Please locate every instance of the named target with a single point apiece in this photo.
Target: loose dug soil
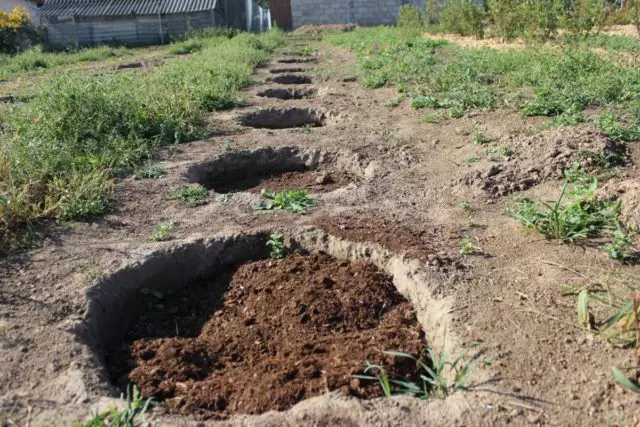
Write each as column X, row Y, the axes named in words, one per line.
column 288, row 70
column 433, row 245
column 314, row 181
column 285, row 330
column 538, row 158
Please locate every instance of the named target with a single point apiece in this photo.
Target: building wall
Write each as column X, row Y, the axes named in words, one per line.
column 362, row 12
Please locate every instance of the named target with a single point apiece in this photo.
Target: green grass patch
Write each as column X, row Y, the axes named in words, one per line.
column 59, row 151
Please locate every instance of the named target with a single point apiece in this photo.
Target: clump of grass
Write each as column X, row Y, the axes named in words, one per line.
column 479, row 138
column 471, row 158
column 577, row 214
column 276, row 246
column 163, row 231
column 149, row 171
column 186, row 47
column 434, row 375
column 59, row 151
column 295, row 201
column 135, row 412
column 192, row 195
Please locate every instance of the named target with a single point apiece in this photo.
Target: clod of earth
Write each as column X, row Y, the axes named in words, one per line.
column 287, row 93
column 291, row 79
column 284, row 118
column 275, row 169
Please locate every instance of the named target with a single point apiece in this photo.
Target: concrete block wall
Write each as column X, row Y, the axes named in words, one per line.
column 361, row 12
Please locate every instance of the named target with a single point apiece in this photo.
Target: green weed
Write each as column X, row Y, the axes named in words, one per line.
column 162, row 233
column 295, row 201
column 468, row 248
column 149, row 171
column 479, row 138
column 134, row 414
column 471, row 158
column 276, row 245
column 192, row 195
column 435, row 381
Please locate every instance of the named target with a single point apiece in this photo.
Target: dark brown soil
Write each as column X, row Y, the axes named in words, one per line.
column 314, row 181
column 392, row 234
column 286, row 330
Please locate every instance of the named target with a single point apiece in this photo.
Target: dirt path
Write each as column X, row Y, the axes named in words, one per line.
column 407, row 179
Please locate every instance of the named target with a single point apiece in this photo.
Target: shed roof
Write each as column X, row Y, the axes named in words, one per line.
column 122, row 7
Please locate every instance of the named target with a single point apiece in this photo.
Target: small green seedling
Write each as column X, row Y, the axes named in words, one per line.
column 431, row 118
column 192, row 195
column 471, row 158
column 468, row 248
column 302, row 129
column 295, row 201
column 132, row 415
column 455, row 113
column 435, row 377
column 224, row 198
column 276, row 244
column 479, row 138
column 163, row 231
column 149, row 171
column 466, row 206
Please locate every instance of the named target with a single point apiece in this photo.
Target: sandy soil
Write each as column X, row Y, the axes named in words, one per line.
column 533, row 363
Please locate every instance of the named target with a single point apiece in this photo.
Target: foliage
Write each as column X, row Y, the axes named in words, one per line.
column 296, row 201
column 624, row 381
column 434, row 375
column 508, row 17
column 163, row 231
column 576, row 215
column 59, row 151
column 582, row 17
column 16, row 28
column 134, row 414
column 186, row 47
column 462, row 17
column 468, row 248
column 149, row 171
column 192, row 195
column 276, row 245
column 409, row 21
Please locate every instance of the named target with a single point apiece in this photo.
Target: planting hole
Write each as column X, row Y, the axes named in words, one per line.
column 216, row 329
column 275, row 169
column 288, row 70
column 291, row 79
column 283, row 118
column 287, row 93
column 296, row 60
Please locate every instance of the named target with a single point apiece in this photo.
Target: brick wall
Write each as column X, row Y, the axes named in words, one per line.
column 362, row 12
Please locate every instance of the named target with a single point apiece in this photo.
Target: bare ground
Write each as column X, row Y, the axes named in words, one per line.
column 534, row 365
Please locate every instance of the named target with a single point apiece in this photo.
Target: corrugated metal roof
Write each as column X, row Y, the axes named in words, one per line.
column 122, row 7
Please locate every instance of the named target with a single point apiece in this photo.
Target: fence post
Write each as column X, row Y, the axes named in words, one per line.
column 160, row 21
column 75, row 30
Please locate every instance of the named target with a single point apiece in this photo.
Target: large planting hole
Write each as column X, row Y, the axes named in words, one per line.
column 288, row 70
column 275, row 169
column 287, row 93
column 214, row 329
column 291, row 79
column 296, row 60
column 283, row 118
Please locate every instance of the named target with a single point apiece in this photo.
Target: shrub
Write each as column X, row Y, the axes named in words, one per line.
column 508, row 16
column 409, row 21
column 16, row 30
column 432, row 12
column 582, row 17
column 462, row 17
column 543, row 17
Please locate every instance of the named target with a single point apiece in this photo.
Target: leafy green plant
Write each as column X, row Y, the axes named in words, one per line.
column 276, row 245
column 621, row 247
column 577, row 214
column 163, row 231
column 192, row 195
column 224, row 198
column 468, row 248
column 462, row 17
column 149, row 171
column 435, row 381
column 134, row 414
column 296, row 201
column 479, row 138
column 409, row 21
